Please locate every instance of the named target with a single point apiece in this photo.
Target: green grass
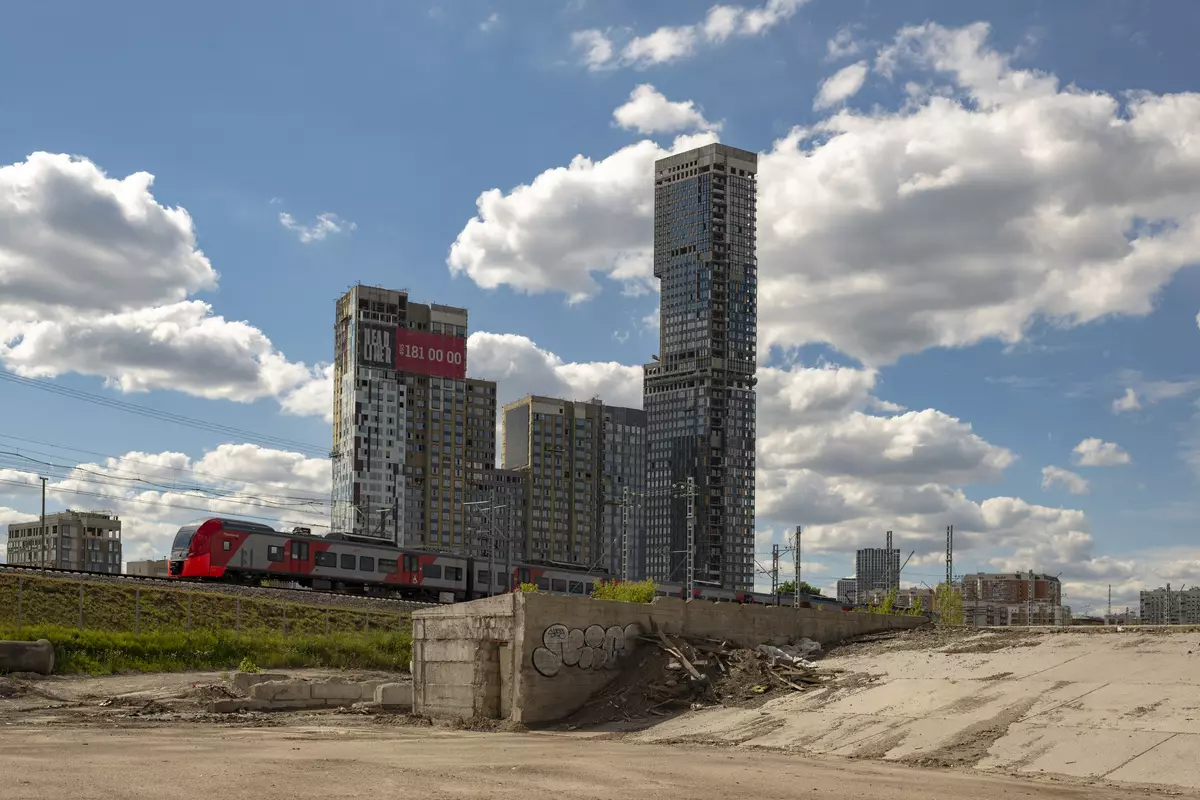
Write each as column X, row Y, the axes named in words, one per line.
column 120, row 607
column 97, row 652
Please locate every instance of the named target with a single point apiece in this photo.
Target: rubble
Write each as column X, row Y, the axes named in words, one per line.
column 670, row 674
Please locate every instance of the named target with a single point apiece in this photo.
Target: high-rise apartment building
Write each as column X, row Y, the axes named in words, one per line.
column 699, row 391
column 82, row 540
column 623, row 483
column 557, row 445
column 876, row 569
column 1169, row 606
column 412, row 433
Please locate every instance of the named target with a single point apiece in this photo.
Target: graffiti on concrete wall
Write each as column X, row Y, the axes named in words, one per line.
column 594, row 647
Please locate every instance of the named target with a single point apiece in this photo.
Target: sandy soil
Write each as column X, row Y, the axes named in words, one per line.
column 366, row 760
column 137, row 700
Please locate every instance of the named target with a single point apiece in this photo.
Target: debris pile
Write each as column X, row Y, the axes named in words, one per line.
column 668, row 674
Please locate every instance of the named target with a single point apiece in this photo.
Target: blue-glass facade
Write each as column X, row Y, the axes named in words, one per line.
column 699, row 394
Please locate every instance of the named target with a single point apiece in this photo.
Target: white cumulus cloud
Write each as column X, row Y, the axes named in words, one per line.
column 1056, row 477
column 1099, row 453
column 95, row 279
column 319, row 229
column 963, row 216
column 649, row 111
column 841, row 85
column 1126, row 402
column 671, row 43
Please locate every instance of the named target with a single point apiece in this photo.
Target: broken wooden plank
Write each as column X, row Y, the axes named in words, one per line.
column 682, row 659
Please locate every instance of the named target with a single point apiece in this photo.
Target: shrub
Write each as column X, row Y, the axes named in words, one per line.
column 105, row 652
column 626, row 591
column 248, row 666
column 529, row 588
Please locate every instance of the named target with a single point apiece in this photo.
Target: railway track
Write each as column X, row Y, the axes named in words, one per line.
column 279, row 593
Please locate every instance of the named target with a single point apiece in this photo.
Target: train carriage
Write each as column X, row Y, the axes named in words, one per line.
column 248, row 552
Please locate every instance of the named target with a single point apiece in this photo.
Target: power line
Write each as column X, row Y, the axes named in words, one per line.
column 162, row 503
column 126, row 459
column 113, row 480
column 163, row 416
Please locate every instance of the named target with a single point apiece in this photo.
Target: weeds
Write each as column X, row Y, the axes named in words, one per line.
column 106, row 652
column 626, row 591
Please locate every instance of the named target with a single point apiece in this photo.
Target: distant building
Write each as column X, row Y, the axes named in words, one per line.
column 623, row 481
column 88, row 541
column 698, row 391
column 907, row 598
column 555, row 443
column 1169, row 606
column 847, row 590
column 412, row 434
column 876, row 568
column 155, row 568
column 496, row 516
column 1013, row 598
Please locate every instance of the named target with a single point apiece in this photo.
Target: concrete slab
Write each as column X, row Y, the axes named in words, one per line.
column 1080, row 752
column 1148, row 707
column 1171, row 763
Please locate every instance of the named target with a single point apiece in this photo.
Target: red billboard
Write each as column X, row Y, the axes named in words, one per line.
column 431, row 354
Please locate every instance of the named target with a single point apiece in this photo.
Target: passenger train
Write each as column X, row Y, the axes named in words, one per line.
column 236, row 551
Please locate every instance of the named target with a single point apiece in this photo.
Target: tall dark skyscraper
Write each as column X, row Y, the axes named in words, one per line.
column 699, row 392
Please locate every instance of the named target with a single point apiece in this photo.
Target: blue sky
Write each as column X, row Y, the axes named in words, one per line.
column 397, row 117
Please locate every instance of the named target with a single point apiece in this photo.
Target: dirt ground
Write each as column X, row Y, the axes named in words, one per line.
column 139, row 700
column 360, row 760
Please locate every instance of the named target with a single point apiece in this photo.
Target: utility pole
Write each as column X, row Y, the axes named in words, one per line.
column 1110, row 619
column 888, row 562
column 625, row 532
column 949, row 556
column 691, row 537
column 775, row 573
column 45, row 543
column 796, row 594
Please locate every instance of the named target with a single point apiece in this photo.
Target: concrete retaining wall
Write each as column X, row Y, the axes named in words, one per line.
column 456, row 658
column 561, row 650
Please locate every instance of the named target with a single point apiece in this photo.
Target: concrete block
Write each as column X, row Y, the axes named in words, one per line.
column 281, row 690
column 457, row 650
column 336, row 690
column 238, row 704
column 242, row 681
column 395, row 695
column 35, row 657
column 451, row 672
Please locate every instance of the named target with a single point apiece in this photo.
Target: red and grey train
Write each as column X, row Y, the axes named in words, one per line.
column 237, row 551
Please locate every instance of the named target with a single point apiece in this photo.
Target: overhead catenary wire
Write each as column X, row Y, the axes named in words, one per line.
column 164, row 416
column 136, row 478
column 255, row 501
column 165, row 504
column 126, row 459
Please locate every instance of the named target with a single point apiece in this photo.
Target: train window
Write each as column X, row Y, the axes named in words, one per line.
column 433, row 571
column 300, row 551
column 523, row 575
column 347, row 561
column 588, row 589
column 387, row 565
column 325, row 559
column 483, row 577
column 366, row 564
column 543, row 584
column 502, row 579
column 576, row 587
column 558, row 585
column 454, row 573
column 410, row 563
column 226, row 545
column 274, row 552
